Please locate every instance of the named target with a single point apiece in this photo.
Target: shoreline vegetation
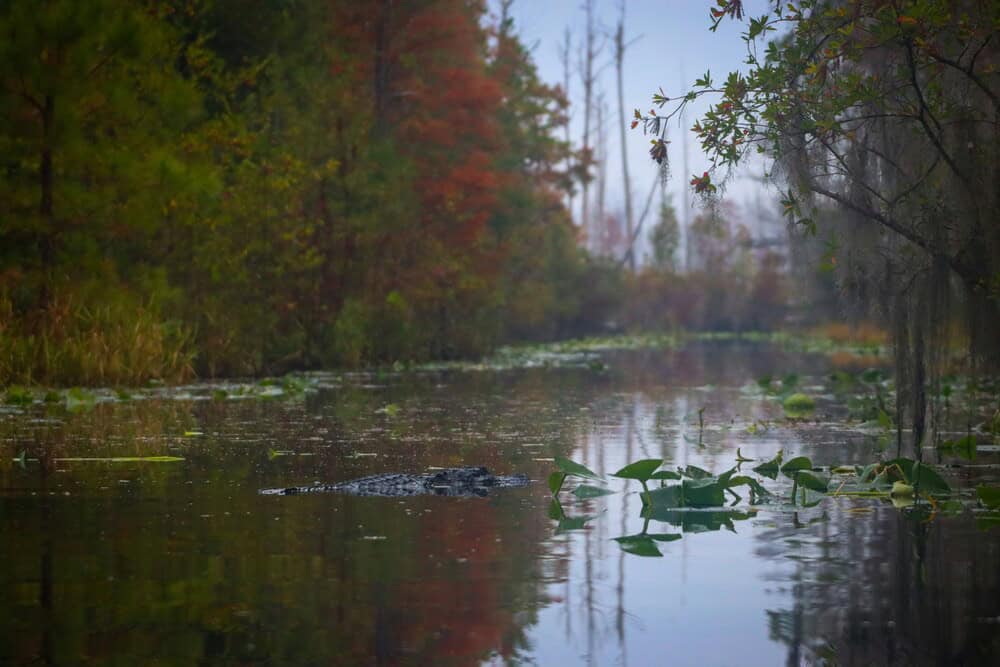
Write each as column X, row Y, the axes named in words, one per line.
column 226, row 189
column 855, row 348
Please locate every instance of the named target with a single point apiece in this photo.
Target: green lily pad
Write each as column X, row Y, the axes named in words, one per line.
column 904, row 464
column 668, row 496
column 756, row 487
column 812, row 481
column 770, row 468
column 640, row 470
column 703, row 492
column 798, row 463
column 928, row 481
column 575, row 469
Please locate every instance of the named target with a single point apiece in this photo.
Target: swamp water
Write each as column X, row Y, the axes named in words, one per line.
column 133, row 562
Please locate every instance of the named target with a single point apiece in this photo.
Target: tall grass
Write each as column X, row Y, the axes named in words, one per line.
column 118, row 342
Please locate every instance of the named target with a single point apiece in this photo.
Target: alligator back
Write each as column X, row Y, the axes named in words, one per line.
column 465, row 481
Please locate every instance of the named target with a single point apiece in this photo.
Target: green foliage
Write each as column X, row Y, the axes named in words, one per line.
column 865, row 98
column 231, row 177
column 697, row 502
column 989, row 496
column 640, row 470
column 799, row 405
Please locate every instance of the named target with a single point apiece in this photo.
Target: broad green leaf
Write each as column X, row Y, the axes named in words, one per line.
column 770, row 468
column 639, row 545
column 588, row 491
column 703, row 493
column 812, row 481
column 665, row 474
column 723, row 478
column 809, row 497
column 575, row 469
column 555, row 481
column 928, row 481
column 989, row 496
column 640, row 470
column 904, row 464
column 798, row 463
column 668, row 496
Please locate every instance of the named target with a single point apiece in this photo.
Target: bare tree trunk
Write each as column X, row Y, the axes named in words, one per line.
column 601, row 158
column 686, row 203
column 591, row 49
column 564, row 56
column 619, row 66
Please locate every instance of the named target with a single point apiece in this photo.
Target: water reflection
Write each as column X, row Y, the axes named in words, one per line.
column 184, row 563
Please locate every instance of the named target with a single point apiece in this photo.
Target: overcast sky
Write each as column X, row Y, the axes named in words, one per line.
column 671, row 47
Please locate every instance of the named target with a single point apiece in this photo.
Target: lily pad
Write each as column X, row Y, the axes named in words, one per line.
column 797, row 463
column 770, row 468
column 704, row 492
column 928, row 481
column 640, row 470
column 668, row 496
column 812, row 481
column 575, row 469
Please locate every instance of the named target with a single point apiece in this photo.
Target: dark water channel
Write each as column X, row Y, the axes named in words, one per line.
column 185, row 563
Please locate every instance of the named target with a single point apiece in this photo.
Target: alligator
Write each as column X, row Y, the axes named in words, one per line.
column 467, row 481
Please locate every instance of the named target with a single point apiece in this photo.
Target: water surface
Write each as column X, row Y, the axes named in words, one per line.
column 186, row 563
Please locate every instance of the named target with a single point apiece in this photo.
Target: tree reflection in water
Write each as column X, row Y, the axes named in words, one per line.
column 885, row 587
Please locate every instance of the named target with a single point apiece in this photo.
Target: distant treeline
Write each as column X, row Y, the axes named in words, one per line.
column 247, row 186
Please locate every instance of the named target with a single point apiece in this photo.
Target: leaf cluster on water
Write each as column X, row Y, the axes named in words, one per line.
column 697, row 501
